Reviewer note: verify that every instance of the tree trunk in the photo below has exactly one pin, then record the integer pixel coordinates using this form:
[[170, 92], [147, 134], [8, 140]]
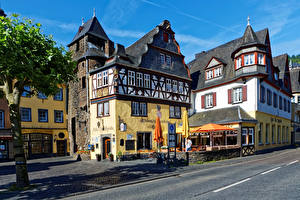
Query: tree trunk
[[22, 179]]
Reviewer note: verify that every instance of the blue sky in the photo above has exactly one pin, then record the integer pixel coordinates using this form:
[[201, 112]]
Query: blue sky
[[199, 24]]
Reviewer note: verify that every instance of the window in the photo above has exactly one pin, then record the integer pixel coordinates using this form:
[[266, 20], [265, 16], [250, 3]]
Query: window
[[43, 115], [41, 95], [138, 108], [238, 63], [131, 78], [298, 98], [168, 85], [58, 116], [1, 119], [83, 83], [209, 101], [103, 109], [59, 96], [267, 133], [168, 60], [174, 86], [162, 58], [284, 104], [247, 136], [280, 102], [260, 133], [26, 92], [99, 79], [273, 134], [269, 97], [180, 87], [260, 59], [26, 114], [166, 37], [262, 94], [218, 72], [283, 134], [249, 59], [209, 74], [147, 80], [139, 79], [175, 112], [288, 106], [144, 140], [105, 78], [275, 100], [237, 95], [287, 134], [278, 134]]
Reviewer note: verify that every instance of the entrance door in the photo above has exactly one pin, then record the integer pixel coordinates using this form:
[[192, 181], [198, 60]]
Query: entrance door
[[61, 147], [106, 147]]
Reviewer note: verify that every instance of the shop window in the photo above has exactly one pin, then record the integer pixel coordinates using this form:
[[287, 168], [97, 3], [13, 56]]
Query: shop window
[[138, 108], [1, 119], [26, 92], [175, 112], [260, 130], [283, 134], [278, 134], [287, 134], [58, 116], [144, 141], [43, 115], [247, 136], [273, 134], [25, 114], [267, 133], [129, 145], [59, 95]]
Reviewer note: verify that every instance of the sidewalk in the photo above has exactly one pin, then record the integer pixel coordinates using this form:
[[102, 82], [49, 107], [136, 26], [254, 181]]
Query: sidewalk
[[63, 176]]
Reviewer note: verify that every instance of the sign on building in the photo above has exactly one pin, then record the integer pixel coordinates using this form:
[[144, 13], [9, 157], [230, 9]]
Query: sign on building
[[172, 135]]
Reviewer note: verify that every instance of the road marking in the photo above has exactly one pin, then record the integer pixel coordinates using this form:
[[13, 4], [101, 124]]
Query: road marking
[[292, 162], [266, 172], [234, 184]]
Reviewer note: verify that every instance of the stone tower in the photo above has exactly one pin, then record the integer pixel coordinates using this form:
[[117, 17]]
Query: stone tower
[[90, 48]]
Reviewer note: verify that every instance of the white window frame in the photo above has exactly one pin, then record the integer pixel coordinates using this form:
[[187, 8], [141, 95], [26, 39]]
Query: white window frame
[[209, 74], [260, 59], [131, 78], [139, 79], [174, 86], [180, 87], [103, 109], [105, 78], [106, 108], [238, 63], [247, 132], [249, 59], [209, 101], [143, 109], [218, 72], [147, 80], [1, 119], [99, 79], [237, 95], [168, 85]]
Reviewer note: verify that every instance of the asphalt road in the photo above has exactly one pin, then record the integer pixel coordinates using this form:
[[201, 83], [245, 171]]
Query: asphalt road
[[262, 177]]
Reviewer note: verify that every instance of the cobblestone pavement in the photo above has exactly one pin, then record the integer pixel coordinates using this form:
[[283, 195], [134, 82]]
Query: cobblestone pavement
[[59, 177]]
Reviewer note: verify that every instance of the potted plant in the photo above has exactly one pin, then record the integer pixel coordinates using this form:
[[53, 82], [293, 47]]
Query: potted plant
[[119, 155], [111, 156]]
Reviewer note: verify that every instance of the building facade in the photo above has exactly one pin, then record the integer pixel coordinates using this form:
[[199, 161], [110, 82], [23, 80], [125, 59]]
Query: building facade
[[240, 84], [149, 79], [295, 81], [6, 143]]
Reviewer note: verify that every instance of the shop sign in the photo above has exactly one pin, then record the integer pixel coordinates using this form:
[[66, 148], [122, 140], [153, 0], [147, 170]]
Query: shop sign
[[171, 135]]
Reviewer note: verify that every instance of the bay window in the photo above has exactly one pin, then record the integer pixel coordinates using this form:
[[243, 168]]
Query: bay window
[[247, 136], [249, 59], [260, 59]]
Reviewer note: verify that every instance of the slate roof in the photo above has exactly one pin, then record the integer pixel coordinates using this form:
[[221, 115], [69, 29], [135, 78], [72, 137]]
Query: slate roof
[[233, 114], [223, 52], [92, 27], [280, 62], [295, 79]]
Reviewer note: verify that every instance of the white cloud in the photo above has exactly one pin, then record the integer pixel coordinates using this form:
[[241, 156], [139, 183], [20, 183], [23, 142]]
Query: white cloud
[[124, 33]]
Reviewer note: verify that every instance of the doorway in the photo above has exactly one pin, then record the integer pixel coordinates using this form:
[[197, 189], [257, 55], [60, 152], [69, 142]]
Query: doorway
[[106, 147], [61, 147]]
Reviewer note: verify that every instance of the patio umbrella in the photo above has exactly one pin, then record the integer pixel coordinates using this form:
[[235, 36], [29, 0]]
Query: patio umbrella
[[212, 127], [157, 132], [185, 124]]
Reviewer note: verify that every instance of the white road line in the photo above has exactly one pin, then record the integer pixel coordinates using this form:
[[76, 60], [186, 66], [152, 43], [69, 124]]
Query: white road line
[[292, 162], [266, 172], [228, 186]]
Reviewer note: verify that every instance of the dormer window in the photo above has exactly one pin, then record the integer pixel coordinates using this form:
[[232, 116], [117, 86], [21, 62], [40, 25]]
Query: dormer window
[[238, 63], [249, 59], [213, 73], [260, 59]]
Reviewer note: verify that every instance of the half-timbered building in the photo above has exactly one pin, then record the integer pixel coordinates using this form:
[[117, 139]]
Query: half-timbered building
[[240, 84], [133, 87]]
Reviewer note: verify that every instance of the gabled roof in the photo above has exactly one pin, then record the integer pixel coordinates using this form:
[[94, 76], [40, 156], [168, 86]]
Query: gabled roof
[[233, 114], [281, 62], [222, 52], [217, 60], [92, 27], [295, 79]]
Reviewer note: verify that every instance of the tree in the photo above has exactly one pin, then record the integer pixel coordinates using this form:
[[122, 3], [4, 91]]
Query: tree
[[28, 58]]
